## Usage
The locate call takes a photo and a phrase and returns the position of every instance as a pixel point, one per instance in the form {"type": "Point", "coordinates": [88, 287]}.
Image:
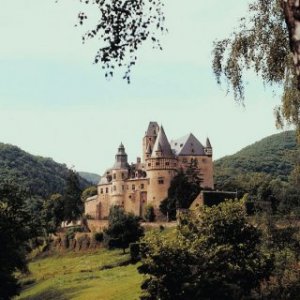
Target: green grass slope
{"type": "Point", "coordinates": [82, 276]}
{"type": "Point", "coordinates": [43, 176]}
{"type": "Point", "coordinates": [273, 155]}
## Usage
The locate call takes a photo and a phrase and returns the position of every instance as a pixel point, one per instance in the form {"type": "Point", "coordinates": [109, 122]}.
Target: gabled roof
{"type": "Point", "coordinates": [153, 129]}
{"type": "Point", "coordinates": [162, 146]}
{"type": "Point", "coordinates": [187, 145]}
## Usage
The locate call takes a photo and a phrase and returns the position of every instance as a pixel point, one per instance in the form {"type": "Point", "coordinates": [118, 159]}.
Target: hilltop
{"type": "Point", "coordinates": [274, 155]}
{"type": "Point", "coordinates": [43, 176]}
{"type": "Point", "coordinates": [91, 177]}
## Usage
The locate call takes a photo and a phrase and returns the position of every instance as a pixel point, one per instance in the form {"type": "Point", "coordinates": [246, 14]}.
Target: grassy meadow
{"type": "Point", "coordinates": [97, 274]}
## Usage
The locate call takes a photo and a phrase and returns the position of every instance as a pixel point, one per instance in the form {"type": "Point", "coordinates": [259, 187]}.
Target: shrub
{"type": "Point", "coordinates": [98, 236]}
{"type": "Point", "coordinates": [149, 213]}
{"type": "Point", "coordinates": [134, 249]}
{"type": "Point", "coordinates": [123, 228]}
{"type": "Point", "coordinates": [70, 232]}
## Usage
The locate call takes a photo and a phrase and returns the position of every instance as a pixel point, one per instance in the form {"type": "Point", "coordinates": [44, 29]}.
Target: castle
{"type": "Point", "coordinates": [146, 182]}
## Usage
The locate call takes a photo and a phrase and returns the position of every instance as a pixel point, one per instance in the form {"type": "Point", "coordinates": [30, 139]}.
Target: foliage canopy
{"type": "Point", "coordinates": [215, 255]}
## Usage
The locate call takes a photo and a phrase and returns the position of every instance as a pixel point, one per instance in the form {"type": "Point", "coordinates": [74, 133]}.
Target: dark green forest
{"type": "Point", "coordinates": [42, 176]}
{"type": "Point", "coordinates": [264, 170]}
{"type": "Point", "coordinates": [274, 155]}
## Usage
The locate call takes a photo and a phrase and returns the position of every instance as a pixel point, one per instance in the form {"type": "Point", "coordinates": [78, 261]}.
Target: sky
{"type": "Point", "coordinates": [55, 102]}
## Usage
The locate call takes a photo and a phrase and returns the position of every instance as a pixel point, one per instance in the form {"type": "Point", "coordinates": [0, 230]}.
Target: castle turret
{"type": "Point", "coordinates": [119, 175]}
{"type": "Point", "coordinates": [208, 149]}
{"type": "Point", "coordinates": [149, 139]}
{"type": "Point", "coordinates": [161, 168]}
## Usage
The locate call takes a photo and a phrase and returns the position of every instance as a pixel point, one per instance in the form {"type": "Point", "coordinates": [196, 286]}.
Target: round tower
{"type": "Point", "coordinates": [119, 174]}
{"type": "Point", "coordinates": [161, 167]}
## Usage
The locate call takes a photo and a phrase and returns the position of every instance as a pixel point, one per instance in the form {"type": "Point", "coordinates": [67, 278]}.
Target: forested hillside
{"type": "Point", "coordinates": [91, 177]}
{"type": "Point", "coordinates": [274, 155]}
{"type": "Point", "coordinates": [43, 176]}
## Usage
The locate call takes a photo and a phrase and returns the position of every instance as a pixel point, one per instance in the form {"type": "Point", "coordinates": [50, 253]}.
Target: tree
{"type": "Point", "coordinates": [123, 228]}
{"type": "Point", "coordinates": [14, 234]}
{"type": "Point", "coordinates": [149, 213]}
{"type": "Point", "coordinates": [123, 27]}
{"type": "Point", "coordinates": [53, 212]}
{"type": "Point", "coordinates": [266, 42]}
{"type": "Point", "coordinates": [89, 192]}
{"type": "Point", "coordinates": [73, 205]}
{"type": "Point", "coordinates": [182, 192]}
{"type": "Point", "coordinates": [215, 254]}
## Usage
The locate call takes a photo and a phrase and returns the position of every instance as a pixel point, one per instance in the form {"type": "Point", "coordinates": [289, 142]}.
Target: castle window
{"type": "Point", "coordinates": [101, 191]}
{"type": "Point", "coordinates": [149, 164]}
{"type": "Point", "coordinates": [181, 145]}
{"type": "Point", "coordinates": [114, 176]}
{"type": "Point", "coordinates": [160, 180]}
{"type": "Point", "coordinates": [193, 150]}
{"type": "Point", "coordinates": [115, 188]}
{"type": "Point", "coordinates": [133, 187]}
{"type": "Point", "coordinates": [142, 186]}
{"type": "Point", "coordinates": [167, 163]}
{"type": "Point", "coordinates": [157, 163]}
{"type": "Point", "coordinates": [106, 190]}
{"type": "Point", "coordinates": [122, 175]}
{"type": "Point", "coordinates": [122, 187]}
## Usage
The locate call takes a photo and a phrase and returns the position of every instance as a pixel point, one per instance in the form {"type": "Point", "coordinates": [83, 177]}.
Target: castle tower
{"type": "Point", "coordinates": [161, 168]}
{"type": "Point", "coordinates": [119, 175]}
{"type": "Point", "coordinates": [149, 139]}
{"type": "Point", "coordinates": [208, 149]}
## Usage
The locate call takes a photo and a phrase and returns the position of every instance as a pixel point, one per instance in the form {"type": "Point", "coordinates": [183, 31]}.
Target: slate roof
{"type": "Point", "coordinates": [153, 129]}
{"type": "Point", "coordinates": [187, 145]}
{"type": "Point", "coordinates": [208, 144]}
{"type": "Point", "coordinates": [162, 145]}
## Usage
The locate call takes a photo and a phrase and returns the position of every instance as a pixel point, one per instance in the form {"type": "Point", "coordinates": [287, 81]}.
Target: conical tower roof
{"type": "Point", "coordinates": [152, 130]}
{"type": "Point", "coordinates": [162, 146]}
{"type": "Point", "coordinates": [208, 144]}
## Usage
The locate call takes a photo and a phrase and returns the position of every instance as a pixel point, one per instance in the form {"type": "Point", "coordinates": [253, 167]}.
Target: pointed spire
{"type": "Point", "coordinates": [208, 145]}
{"type": "Point", "coordinates": [152, 130]}
{"type": "Point", "coordinates": [162, 147]}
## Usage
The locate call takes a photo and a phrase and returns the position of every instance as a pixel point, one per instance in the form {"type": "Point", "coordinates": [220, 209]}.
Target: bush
{"type": "Point", "coordinates": [123, 228]}
{"type": "Point", "coordinates": [70, 232]}
{"type": "Point", "coordinates": [98, 236]}
{"type": "Point", "coordinates": [134, 249]}
{"type": "Point", "coordinates": [149, 213]}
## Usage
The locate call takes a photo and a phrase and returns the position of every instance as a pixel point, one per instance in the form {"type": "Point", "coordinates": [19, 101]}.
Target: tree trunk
{"type": "Point", "coordinates": [291, 9]}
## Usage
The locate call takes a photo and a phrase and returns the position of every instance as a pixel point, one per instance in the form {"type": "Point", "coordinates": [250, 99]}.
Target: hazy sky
{"type": "Point", "coordinates": [54, 102]}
